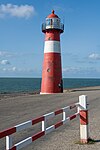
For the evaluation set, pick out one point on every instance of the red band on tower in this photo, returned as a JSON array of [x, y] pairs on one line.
[[53, 36]]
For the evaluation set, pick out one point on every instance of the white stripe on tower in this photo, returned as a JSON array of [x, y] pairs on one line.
[[52, 46]]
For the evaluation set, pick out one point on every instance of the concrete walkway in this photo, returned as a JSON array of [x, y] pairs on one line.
[[15, 110]]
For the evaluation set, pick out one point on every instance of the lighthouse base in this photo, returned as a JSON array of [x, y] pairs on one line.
[[45, 93], [41, 93]]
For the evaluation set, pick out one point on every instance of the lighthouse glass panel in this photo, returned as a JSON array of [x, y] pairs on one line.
[[53, 23], [56, 22], [48, 22]]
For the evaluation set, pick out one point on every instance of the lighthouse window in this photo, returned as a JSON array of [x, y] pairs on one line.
[[49, 22], [56, 22], [48, 70]]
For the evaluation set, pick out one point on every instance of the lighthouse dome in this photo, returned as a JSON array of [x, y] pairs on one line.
[[53, 15]]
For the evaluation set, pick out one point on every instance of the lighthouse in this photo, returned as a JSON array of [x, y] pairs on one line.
[[52, 69]]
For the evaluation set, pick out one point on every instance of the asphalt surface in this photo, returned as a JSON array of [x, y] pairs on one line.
[[18, 109]]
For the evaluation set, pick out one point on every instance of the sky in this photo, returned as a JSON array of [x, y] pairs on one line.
[[22, 41]]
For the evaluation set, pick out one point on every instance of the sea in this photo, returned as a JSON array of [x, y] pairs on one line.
[[11, 85]]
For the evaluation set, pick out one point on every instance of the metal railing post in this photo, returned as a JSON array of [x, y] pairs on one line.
[[83, 111], [44, 125], [8, 142]]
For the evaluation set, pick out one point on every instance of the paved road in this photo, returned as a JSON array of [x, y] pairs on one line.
[[15, 110]]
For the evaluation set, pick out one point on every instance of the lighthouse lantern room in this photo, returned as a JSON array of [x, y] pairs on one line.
[[52, 69]]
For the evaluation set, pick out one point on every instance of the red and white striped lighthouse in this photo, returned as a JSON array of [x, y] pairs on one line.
[[52, 69]]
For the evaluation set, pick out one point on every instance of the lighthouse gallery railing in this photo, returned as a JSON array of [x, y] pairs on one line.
[[59, 26]]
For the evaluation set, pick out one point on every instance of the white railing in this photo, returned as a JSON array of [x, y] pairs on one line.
[[81, 111]]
